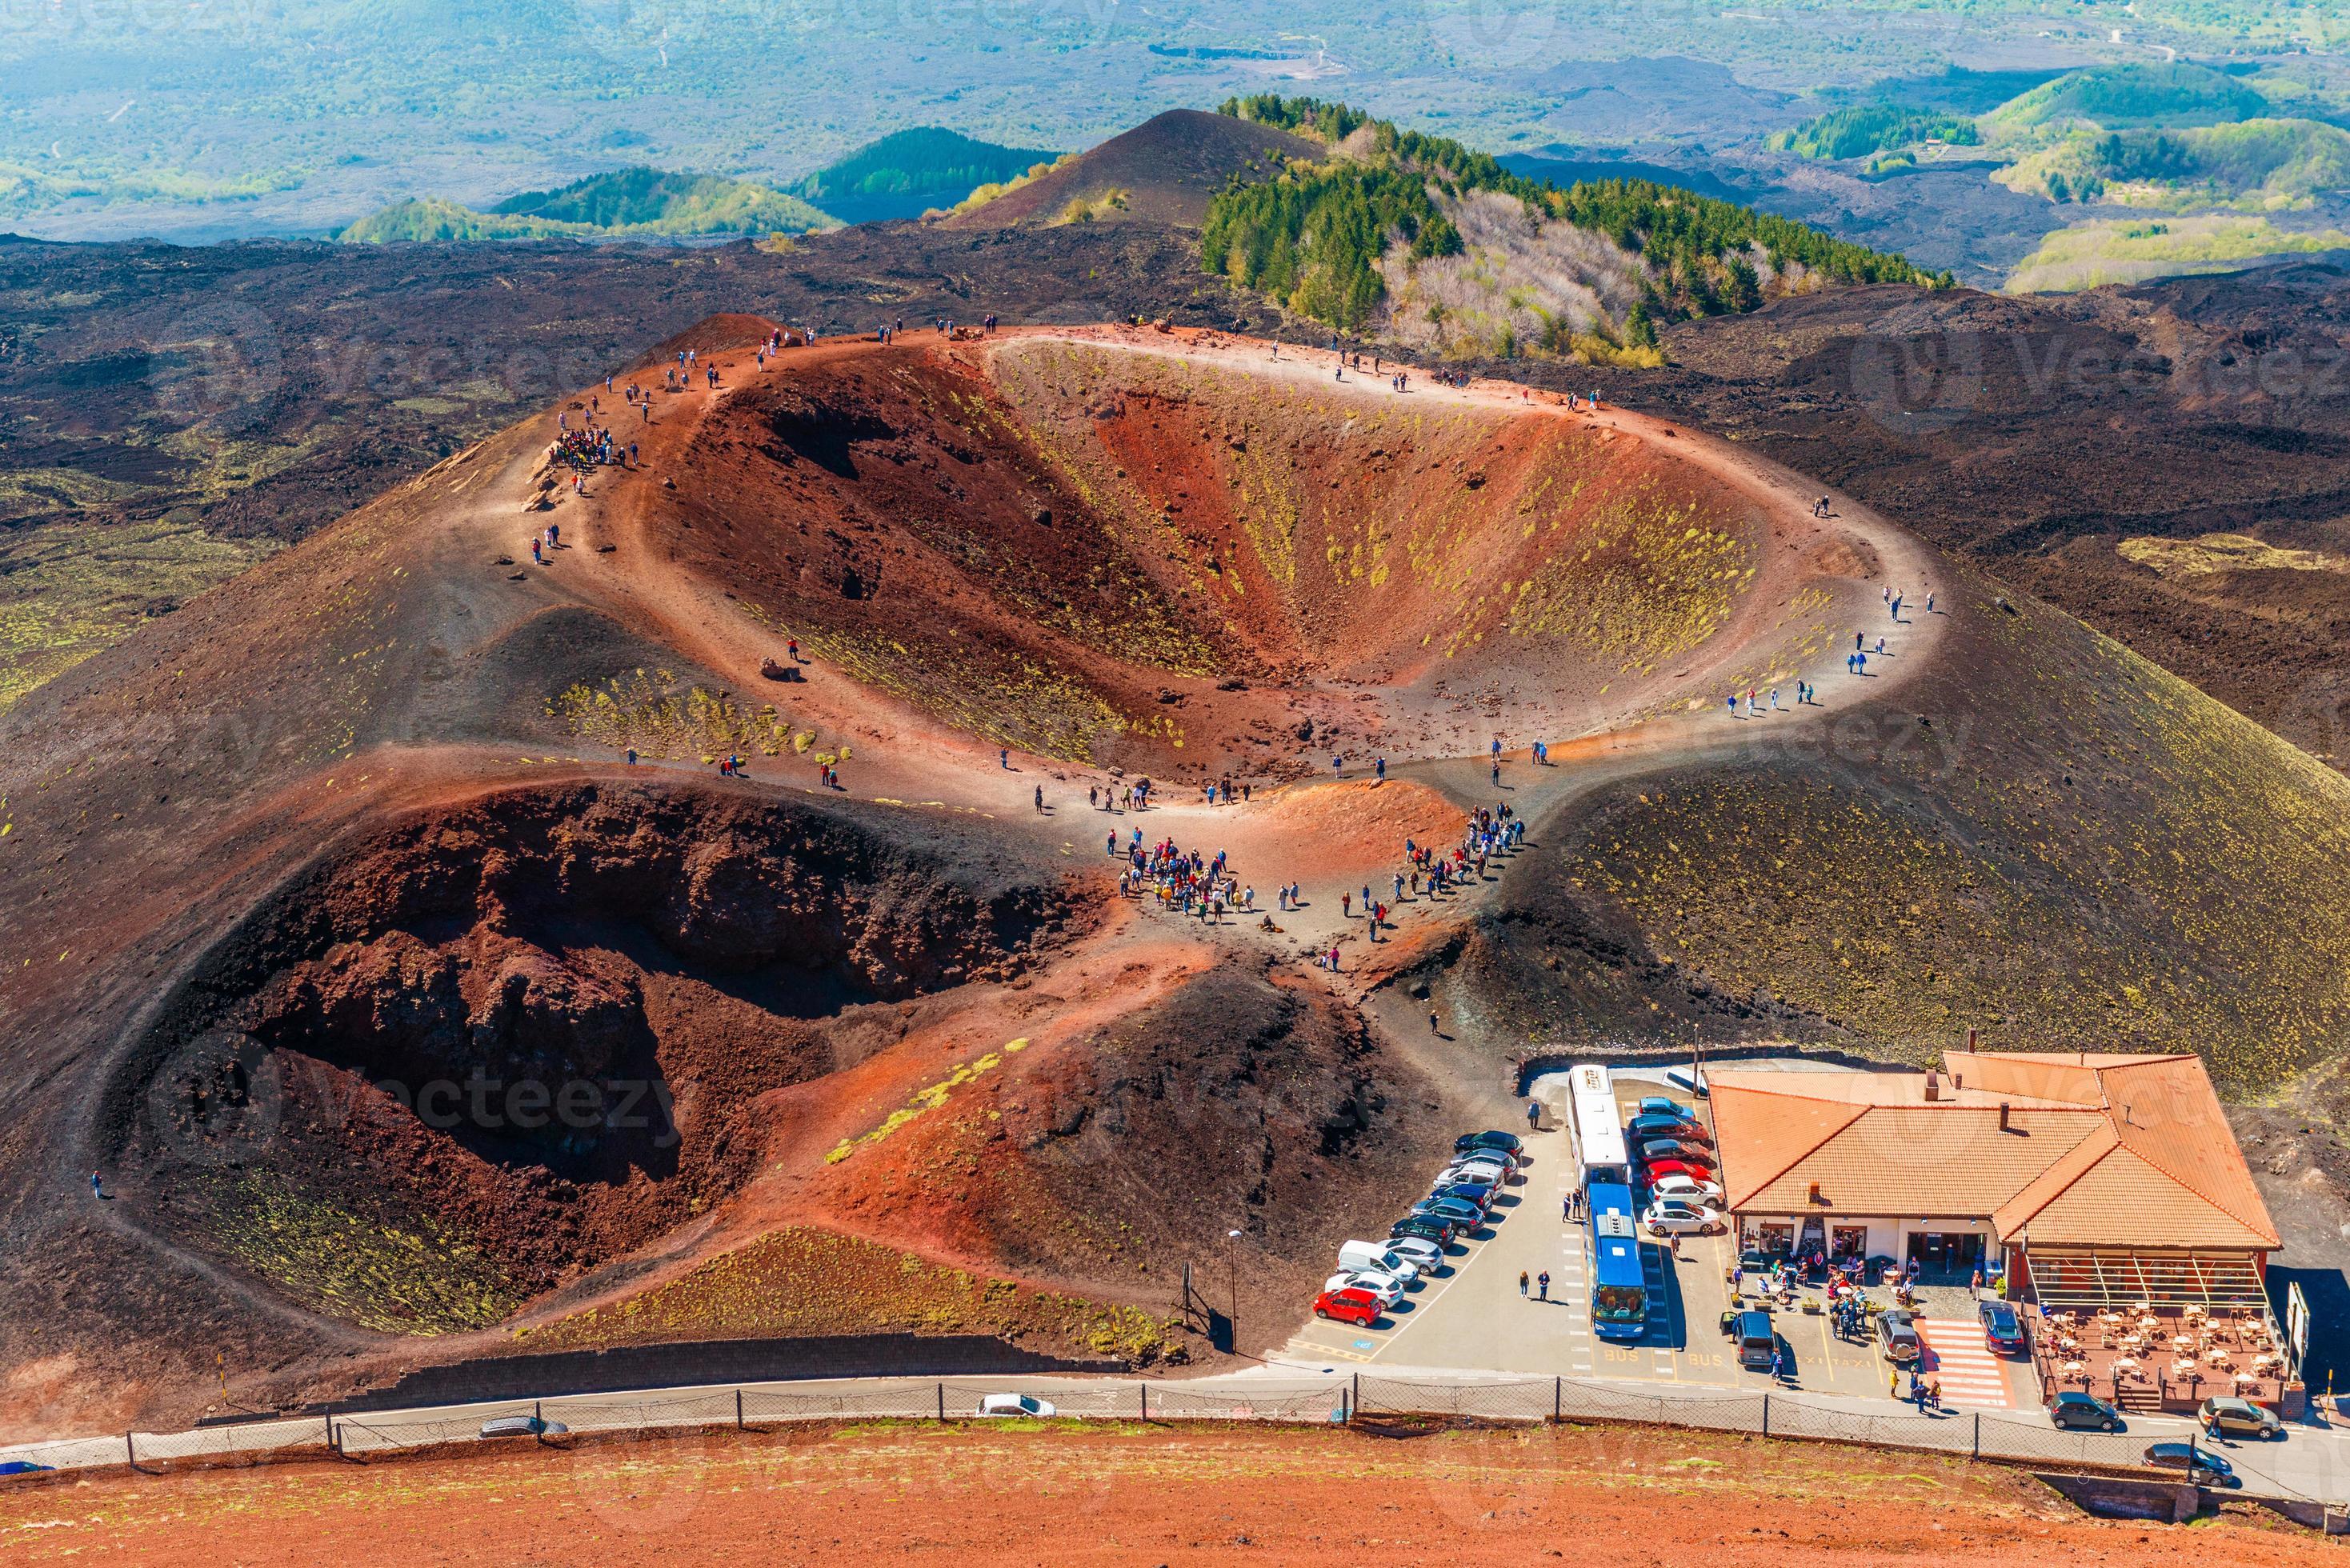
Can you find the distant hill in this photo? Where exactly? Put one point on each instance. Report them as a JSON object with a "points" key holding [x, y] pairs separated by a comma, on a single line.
{"points": [[626, 203], [909, 172], [2265, 163], [1863, 129], [1163, 170], [1444, 250], [2116, 97]]}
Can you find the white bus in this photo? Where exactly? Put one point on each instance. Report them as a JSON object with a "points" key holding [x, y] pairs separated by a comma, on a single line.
{"points": [[1599, 1129]]}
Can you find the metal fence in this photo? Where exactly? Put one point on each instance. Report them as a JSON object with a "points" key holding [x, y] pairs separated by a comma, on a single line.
{"points": [[1988, 1435]]}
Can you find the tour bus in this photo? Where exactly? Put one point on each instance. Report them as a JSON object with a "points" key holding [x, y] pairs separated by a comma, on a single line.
{"points": [[1619, 1284], [1599, 1129]]}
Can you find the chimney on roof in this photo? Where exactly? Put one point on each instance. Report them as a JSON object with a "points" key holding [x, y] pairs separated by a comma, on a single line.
{"points": [[2002, 1116], [1970, 1042], [1933, 1085], [1815, 1193]]}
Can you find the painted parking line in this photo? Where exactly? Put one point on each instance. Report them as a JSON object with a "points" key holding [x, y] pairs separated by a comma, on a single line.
{"points": [[1960, 1359]]}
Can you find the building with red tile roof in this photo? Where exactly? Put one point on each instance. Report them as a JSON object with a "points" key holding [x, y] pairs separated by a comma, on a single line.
{"points": [[2087, 1176]]}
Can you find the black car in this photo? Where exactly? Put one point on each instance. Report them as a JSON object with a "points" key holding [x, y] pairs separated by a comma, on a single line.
{"points": [[1643, 1127], [2203, 1467], [1475, 1194], [1427, 1229], [2003, 1330], [2078, 1412], [1507, 1143], [1756, 1340]]}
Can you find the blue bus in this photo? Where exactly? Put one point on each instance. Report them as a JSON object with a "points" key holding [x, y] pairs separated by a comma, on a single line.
{"points": [[1619, 1280]]}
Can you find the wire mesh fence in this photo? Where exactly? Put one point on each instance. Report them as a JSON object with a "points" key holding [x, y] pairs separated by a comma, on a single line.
{"points": [[1270, 1402], [2017, 1438], [1516, 1399], [252, 1441], [639, 1413], [894, 1399], [1946, 1432], [1097, 1401], [372, 1435]]}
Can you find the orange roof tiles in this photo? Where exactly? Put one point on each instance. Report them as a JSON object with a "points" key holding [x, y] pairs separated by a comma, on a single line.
{"points": [[2099, 1148]]}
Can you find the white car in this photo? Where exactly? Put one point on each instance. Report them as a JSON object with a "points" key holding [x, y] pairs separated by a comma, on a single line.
{"points": [[1484, 1172], [1386, 1287], [1017, 1405], [1670, 1217], [1686, 1189], [1375, 1258], [1419, 1252]]}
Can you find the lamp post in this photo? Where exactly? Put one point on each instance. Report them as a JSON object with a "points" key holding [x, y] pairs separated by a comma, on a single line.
{"points": [[1232, 1273]]}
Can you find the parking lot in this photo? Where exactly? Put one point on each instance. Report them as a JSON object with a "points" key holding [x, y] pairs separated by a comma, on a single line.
{"points": [[1471, 1316]]}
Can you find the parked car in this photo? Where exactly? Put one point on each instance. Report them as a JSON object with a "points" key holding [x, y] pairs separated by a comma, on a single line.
{"points": [[1661, 1105], [2203, 1467], [1655, 1168], [1751, 1333], [1017, 1405], [1461, 1216], [1896, 1335], [2079, 1411], [522, 1427], [1419, 1252], [2236, 1418], [1643, 1128], [1355, 1306], [1489, 1172], [1670, 1217], [1378, 1258], [2003, 1330], [1385, 1288], [1427, 1227], [1476, 1194], [1685, 1189], [1674, 1149], [1506, 1143]]}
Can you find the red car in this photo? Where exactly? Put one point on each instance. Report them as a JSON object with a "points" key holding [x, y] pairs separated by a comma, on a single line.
{"points": [[1656, 1168], [1359, 1307]]}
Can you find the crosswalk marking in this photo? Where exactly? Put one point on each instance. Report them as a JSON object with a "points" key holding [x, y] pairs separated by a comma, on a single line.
{"points": [[1960, 1359]]}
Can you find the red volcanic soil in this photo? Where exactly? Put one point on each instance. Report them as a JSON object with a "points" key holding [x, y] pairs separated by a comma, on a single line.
{"points": [[364, 820], [1174, 554], [1147, 1494]]}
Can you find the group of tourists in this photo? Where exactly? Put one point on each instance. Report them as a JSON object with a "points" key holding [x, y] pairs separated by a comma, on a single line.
{"points": [[1184, 882], [1134, 794]]}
